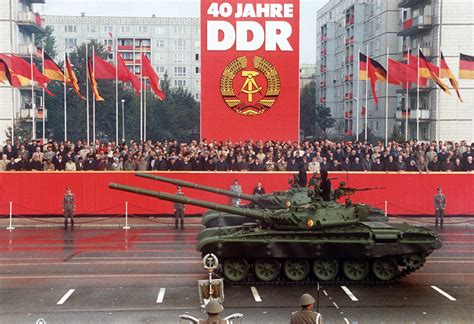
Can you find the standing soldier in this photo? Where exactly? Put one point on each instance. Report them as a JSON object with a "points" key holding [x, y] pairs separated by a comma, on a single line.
{"points": [[179, 211], [306, 314], [440, 206], [69, 205], [237, 189]]}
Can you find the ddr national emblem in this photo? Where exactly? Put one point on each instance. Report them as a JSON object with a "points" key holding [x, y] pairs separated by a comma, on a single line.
{"points": [[250, 87]]}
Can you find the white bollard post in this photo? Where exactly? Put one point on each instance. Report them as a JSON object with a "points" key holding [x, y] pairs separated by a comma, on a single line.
{"points": [[11, 215], [126, 216], [386, 209]]}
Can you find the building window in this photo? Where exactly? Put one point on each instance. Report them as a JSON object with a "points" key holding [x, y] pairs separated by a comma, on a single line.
{"points": [[108, 29], [160, 30], [125, 29], [196, 57], [179, 71], [91, 29], [179, 83], [142, 29], [178, 58], [198, 70], [161, 57], [197, 83], [70, 28], [179, 45], [108, 42], [197, 44], [160, 70], [179, 30], [197, 96], [160, 43], [71, 42]]}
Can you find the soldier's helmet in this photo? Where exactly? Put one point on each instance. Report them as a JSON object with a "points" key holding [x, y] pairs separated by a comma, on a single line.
{"points": [[306, 299], [213, 307]]}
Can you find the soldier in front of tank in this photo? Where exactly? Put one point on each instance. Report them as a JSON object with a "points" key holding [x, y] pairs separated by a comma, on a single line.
{"points": [[306, 315], [213, 309], [236, 188]]}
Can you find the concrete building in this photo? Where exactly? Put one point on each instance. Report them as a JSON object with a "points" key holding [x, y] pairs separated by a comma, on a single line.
{"points": [[307, 74], [18, 23], [435, 25], [345, 27], [172, 44]]}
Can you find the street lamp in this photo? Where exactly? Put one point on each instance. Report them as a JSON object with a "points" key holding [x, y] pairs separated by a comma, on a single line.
{"points": [[123, 120]]}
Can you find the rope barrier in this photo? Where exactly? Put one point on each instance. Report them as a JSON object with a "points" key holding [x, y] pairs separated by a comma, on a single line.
{"points": [[148, 219]]}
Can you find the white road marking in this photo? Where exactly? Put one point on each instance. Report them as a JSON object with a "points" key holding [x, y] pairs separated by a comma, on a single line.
{"points": [[255, 294], [66, 296], [161, 296], [346, 320], [324, 291], [349, 293], [335, 305], [445, 294]]}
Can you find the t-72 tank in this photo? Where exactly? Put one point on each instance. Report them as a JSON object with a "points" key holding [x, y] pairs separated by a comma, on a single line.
{"points": [[295, 196], [324, 241]]}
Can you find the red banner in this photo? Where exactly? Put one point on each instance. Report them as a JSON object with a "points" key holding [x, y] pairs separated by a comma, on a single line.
{"points": [[250, 70]]}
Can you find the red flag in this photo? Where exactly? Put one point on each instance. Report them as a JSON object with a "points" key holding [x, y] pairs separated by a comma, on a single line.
{"points": [[148, 71], [373, 79], [446, 73], [103, 69], [127, 76], [5, 75], [71, 79]]}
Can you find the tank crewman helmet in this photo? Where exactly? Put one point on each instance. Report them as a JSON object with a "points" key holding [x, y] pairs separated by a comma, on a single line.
{"points": [[213, 307], [306, 300]]}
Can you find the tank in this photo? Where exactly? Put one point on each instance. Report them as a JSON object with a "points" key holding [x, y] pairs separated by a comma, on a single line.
{"points": [[320, 242], [295, 196]]}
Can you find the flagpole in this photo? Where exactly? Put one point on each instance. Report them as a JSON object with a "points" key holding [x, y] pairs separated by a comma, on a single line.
{"points": [[386, 99], [367, 93], [65, 95], [87, 97], [408, 100], [418, 97], [93, 97], [144, 112], [358, 97], [33, 103], [44, 98], [141, 92], [116, 95], [10, 10]]}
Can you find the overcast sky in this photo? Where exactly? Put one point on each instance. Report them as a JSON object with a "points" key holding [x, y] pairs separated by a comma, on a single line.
{"points": [[176, 8]]}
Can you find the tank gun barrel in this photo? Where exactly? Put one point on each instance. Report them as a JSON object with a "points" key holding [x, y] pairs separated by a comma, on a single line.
{"points": [[192, 185], [256, 214]]}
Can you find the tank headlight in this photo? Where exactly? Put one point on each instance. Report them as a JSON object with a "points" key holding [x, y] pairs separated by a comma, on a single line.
{"points": [[288, 204], [309, 222]]}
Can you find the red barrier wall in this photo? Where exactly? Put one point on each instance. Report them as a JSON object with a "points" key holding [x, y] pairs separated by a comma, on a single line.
{"points": [[40, 193]]}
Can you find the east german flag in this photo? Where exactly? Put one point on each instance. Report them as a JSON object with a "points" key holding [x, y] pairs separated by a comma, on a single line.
{"points": [[52, 70], [426, 70], [362, 67], [379, 70], [71, 78], [95, 90], [448, 74], [466, 67]]}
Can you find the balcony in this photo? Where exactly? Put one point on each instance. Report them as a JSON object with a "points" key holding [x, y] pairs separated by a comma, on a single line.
{"points": [[324, 38], [27, 114], [350, 58], [348, 77], [322, 100], [125, 48], [33, 1], [324, 52], [323, 68], [350, 21], [349, 41], [25, 50], [415, 25], [424, 114], [426, 51], [322, 84], [31, 22], [349, 96], [409, 3]]}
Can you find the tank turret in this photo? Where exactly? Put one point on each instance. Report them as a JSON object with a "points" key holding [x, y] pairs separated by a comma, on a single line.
{"points": [[307, 217]]}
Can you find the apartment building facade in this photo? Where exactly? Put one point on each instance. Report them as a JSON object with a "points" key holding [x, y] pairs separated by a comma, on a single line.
{"points": [[18, 23], [171, 44]]}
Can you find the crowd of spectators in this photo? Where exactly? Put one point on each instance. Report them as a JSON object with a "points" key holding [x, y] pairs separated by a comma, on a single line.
{"points": [[313, 156]]}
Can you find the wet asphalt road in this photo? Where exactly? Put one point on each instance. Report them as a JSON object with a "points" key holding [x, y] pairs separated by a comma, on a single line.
{"points": [[96, 275]]}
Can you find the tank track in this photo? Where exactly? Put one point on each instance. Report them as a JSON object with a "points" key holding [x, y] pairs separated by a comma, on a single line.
{"points": [[339, 280]]}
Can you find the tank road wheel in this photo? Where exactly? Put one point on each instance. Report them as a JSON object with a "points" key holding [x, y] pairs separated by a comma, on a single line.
{"points": [[355, 269], [296, 269], [267, 269], [385, 269], [325, 269], [235, 269]]}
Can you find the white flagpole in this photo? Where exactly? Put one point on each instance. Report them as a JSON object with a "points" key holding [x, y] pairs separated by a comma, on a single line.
{"points": [[33, 101], [358, 97], [65, 95], [418, 99], [407, 101], [386, 99], [87, 97], [141, 92], [366, 92], [116, 95], [144, 112], [93, 98], [44, 99]]}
